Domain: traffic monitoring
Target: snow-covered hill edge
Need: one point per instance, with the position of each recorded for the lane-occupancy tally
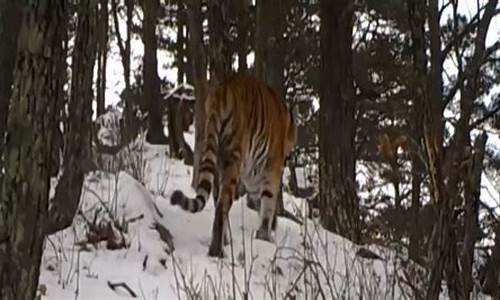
(305, 260)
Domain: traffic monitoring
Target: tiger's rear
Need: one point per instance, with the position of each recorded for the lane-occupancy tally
(248, 134)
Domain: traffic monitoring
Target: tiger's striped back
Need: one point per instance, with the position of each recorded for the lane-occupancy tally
(248, 134)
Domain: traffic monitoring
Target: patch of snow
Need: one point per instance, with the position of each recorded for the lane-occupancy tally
(303, 260)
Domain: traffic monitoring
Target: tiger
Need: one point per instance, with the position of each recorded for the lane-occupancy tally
(248, 135)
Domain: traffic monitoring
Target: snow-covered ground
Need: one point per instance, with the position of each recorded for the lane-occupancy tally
(304, 262)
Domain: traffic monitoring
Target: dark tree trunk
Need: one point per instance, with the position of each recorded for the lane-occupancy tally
(431, 122)
(442, 252)
(472, 192)
(178, 111)
(414, 229)
(126, 57)
(447, 167)
(417, 23)
(102, 57)
(151, 90)
(243, 28)
(338, 199)
(131, 121)
(198, 64)
(219, 54)
(175, 137)
(30, 128)
(493, 267)
(269, 54)
(77, 154)
(293, 183)
(10, 21)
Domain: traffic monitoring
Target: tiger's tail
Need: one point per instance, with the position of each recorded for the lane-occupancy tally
(207, 170)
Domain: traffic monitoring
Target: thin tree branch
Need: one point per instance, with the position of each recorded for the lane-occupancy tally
(114, 10)
(467, 29)
(485, 118)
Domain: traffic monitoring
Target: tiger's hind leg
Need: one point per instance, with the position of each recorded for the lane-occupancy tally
(228, 189)
(217, 185)
(268, 200)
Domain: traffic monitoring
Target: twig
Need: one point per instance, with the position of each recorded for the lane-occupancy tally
(114, 286)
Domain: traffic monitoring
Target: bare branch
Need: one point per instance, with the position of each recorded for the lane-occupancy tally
(492, 49)
(486, 117)
(471, 26)
(114, 10)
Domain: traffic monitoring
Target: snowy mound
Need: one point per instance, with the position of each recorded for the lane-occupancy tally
(127, 240)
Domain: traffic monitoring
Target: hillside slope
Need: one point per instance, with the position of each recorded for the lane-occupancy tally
(304, 262)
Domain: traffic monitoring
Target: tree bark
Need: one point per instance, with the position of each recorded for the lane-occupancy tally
(269, 54)
(493, 268)
(417, 29)
(219, 54)
(417, 173)
(339, 208)
(102, 57)
(131, 121)
(179, 111)
(472, 192)
(10, 21)
(416, 182)
(30, 130)
(77, 155)
(199, 73)
(243, 28)
(174, 138)
(151, 90)
(447, 166)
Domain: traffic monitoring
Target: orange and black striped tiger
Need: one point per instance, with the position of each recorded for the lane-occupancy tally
(248, 134)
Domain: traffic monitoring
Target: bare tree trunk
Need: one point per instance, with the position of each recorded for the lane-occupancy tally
(77, 151)
(181, 109)
(447, 166)
(178, 111)
(338, 199)
(219, 54)
(432, 127)
(472, 192)
(441, 245)
(417, 29)
(471, 168)
(102, 57)
(151, 90)
(416, 183)
(493, 268)
(174, 133)
(10, 21)
(269, 54)
(25, 186)
(131, 122)
(243, 28)
(199, 73)
(293, 183)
